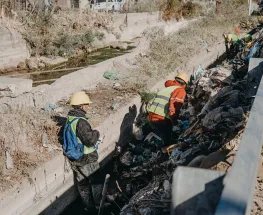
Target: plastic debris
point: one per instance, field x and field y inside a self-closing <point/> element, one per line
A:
<point x="50" y="107"/>
<point x="111" y="75"/>
<point x="154" y="139"/>
<point x="148" y="211"/>
<point x="184" y="124"/>
<point x="138" y="133"/>
<point x="137" y="159"/>
<point x="199" y="72"/>
<point x="45" y="140"/>
<point x="214" y="111"/>
<point x="175" y="154"/>
<point x="8" y="161"/>
<point x="127" y="158"/>
<point x="116" y="86"/>
<point x="115" y="106"/>
<point x="59" y="110"/>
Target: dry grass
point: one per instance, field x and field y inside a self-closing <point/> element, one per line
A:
<point x="62" y="33"/>
<point x="175" y="9"/>
<point x="144" y="6"/>
<point x="168" y="51"/>
<point x="24" y="129"/>
<point x="21" y="135"/>
<point x="21" y="131"/>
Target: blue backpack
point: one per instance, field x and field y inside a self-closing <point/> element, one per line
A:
<point x="72" y="147"/>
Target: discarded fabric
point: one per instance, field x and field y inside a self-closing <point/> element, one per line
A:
<point x="111" y="75"/>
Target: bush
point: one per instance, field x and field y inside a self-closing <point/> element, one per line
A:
<point x="144" y="6"/>
<point x="166" y="52"/>
<point x="63" y="32"/>
<point x="175" y="9"/>
<point x="146" y="97"/>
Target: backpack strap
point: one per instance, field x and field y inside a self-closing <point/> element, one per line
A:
<point x="74" y="119"/>
<point x="87" y="150"/>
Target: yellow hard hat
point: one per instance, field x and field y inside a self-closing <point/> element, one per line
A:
<point x="80" y="98"/>
<point x="229" y="37"/>
<point x="183" y="76"/>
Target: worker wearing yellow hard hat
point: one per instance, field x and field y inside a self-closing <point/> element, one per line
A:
<point x="80" y="145"/>
<point x="164" y="108"/>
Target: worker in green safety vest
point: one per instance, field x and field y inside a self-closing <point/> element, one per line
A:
<point x="164" y="108"/>
<point x="85" y="168"/>
<point x="233" y="41"/>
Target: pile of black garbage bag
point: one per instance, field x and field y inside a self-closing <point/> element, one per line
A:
<point x="218" y="103"/>
<point x="215" y="111"/>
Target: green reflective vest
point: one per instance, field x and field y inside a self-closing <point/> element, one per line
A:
<point x="235" y="38"/>
<point x="86" y="149"/>
<point x="160" y="104"/>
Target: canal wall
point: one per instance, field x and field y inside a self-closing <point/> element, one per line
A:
<point x="13" y="48"/>
<point x="50" y="188"/>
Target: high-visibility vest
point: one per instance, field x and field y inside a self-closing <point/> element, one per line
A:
<point x="232" y="37"/>
<point x="86" y="149"/>
<point x="160" y="104"/>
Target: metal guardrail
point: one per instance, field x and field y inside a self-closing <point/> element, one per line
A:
<point x="239" y="183"/>
<point x="213" y="192"/>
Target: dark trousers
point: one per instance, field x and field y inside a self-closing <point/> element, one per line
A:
<point x="163" y="128"/>
<point x="85" y="178"/>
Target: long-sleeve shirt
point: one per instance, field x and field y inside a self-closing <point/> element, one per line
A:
<point x="176" y="101"/>
<point x="86" y="134"/>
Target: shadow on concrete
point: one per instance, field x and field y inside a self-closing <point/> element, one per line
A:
<point x="126" y="128"/>
<point x="61" y="121"/>
<point x="200" y="204"/>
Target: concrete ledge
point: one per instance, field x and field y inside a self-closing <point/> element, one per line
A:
<point x="195" y="190"/>
<point x="50" y="188"/>
<point x="12" y="87"/>
<point x="13" y="48"/>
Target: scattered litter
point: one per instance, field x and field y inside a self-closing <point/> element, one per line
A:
<point x="175" y="155"/>
<point x="115" y="106"/>
<point x="142" y="54"/>
<point x="8" y="160"/>
<point x="116" y="86"/>
<point x="212" y="116"/>
<point x="111" y="75"/>
<point x="41" y="149"/>
<point x="154" y="139"/>
<point x="59" y="110"/>
<point x="199" y="72"/>
<point x="119" y="149"/>
<point x="50" y="107"/>
<point x="204" y="44"/>
<point x="137" y="131"/>
<point x="184" y="125"/>
<point x="127" y="158"/>
<point x="45" y="140"/>
<point x="148" y="211"/>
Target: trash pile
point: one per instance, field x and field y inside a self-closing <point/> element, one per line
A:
<point x="217" y="106"/>
<point x="214" y="114"/>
